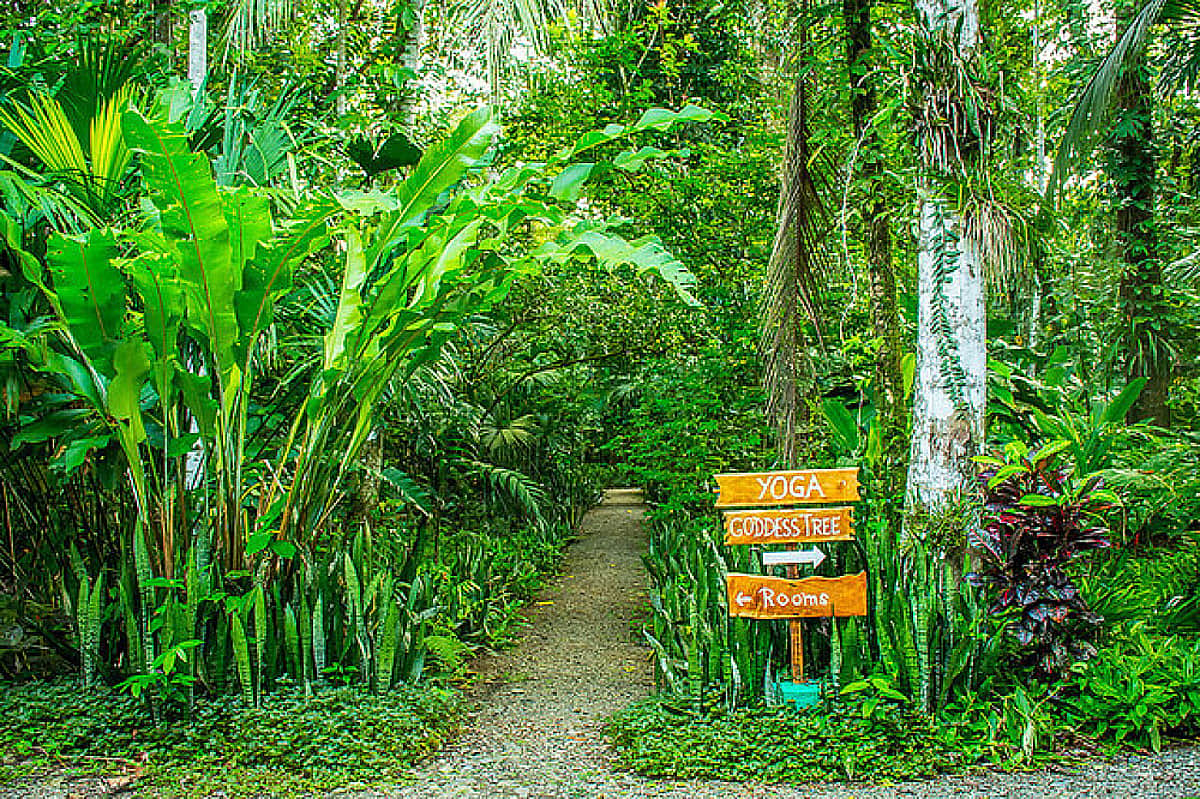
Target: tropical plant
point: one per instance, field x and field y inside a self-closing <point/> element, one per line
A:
<point x="1037" y="519"/>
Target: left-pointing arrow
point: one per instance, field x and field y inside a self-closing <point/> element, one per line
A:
<point x="744" y="599"/>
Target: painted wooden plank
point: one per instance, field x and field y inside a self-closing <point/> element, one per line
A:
<point x="792" y="526"/>
<point x="757" y="597"/>
<point x="813" y="557"/>
<point x="801" y="487"/>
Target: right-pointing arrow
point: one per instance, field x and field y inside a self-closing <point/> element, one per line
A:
<point x="814" y="557"/>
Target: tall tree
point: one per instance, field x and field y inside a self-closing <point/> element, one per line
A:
<point x="1131" y="170"/>
<point x="876" y="223"/>
<point x="948" y="412"/>
<point x="951" y="364"/>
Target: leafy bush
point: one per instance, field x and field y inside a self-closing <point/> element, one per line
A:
<point x="1037" y="518"/>
<point x="296" y="743"/>
<point x="1138" y="689"/>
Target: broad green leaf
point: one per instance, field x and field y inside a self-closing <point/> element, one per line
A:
<point x="630" y="161"/>
<point x="1050" y="450"/>
<point x="269" y="274"/>
<point x="90" y="292"/>
<point x="444" y="164"/>
<point x="183" y="190"/>
<point x="1038" y="501"/>
<point x="349" y="314"/>
<point x="568" y="184"/>
<point x="125" y="391"/>
<point x="248" y="217"/>
<point x="1116" y="410"/>
<point x="1006" y="472"/>
<point x="645" y="255"/>
<point x="841" y="421"/>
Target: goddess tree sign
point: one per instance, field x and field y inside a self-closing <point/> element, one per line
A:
<point x="764" y="597"/>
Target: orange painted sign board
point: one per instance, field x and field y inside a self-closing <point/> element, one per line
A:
<point x="801" y="487"/>
<point x="793" y="526"/>
<point x="756" y="597"/>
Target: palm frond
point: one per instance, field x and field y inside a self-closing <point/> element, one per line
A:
<point x="794" y="273"/>
<point x="252" y="22"/>
<point x="518" y="488"/>
<point x="1093" y="109"/>
<point x="1002" y="237"/>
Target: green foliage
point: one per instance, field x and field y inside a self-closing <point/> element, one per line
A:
<point x="295" y="743"/>
<point x="836" y="741"/>
<point x="1139" y="689"/>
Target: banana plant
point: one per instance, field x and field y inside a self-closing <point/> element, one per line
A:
<point x="158" y="332"/>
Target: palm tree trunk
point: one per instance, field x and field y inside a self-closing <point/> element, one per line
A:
<point x="790" y="292"/>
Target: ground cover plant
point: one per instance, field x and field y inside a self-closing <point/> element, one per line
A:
<point x="293" y="743"/>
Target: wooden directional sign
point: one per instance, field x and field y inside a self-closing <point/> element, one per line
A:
<point x="757" y="597"/>
<point x="798" y="526"/>
<point x="803" y="487"/>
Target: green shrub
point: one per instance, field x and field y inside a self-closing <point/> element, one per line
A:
<point x="1139" y="689"/>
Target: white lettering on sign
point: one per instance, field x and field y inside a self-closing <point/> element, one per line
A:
<point x="805" y="524"/>
<point x="768" y="598"/>
<point x="780" y="486"/>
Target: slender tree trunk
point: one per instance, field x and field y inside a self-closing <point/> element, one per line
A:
<point x="197" y="48"/>
<point x="1132" y="165"/>
<point x="410" y="40"/>
<point x="339" y="74"/>
<point x="885" y="315"/>
<point x="162" y="31"/>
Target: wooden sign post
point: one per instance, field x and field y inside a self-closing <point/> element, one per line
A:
<point x="761" y="597"/>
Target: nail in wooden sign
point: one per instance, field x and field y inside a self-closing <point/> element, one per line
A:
<point x="803" y="487"/>
<point x="793" y="526"/>
<point x="757" y="597"/>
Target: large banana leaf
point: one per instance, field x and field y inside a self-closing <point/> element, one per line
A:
<point x="90" y="292"/>
<point x="268" y="274"/>
<point x="193" y="220"/>
<point x="444" y="165"/>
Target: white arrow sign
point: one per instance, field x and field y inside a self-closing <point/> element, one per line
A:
<point x="744" y="599"/>
<point x="815" y="557"/>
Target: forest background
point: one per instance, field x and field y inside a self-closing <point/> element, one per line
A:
<point x="323" y="323"/>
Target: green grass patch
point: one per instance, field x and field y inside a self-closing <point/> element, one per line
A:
<point x="293" y="744"/>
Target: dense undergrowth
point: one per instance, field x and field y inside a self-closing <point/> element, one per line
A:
<point x="292" y="744"/>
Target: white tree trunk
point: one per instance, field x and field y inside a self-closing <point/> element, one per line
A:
<point x="197" y="48"/>
<point x="951" y="368"/>
<point x="410" y="58"/>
